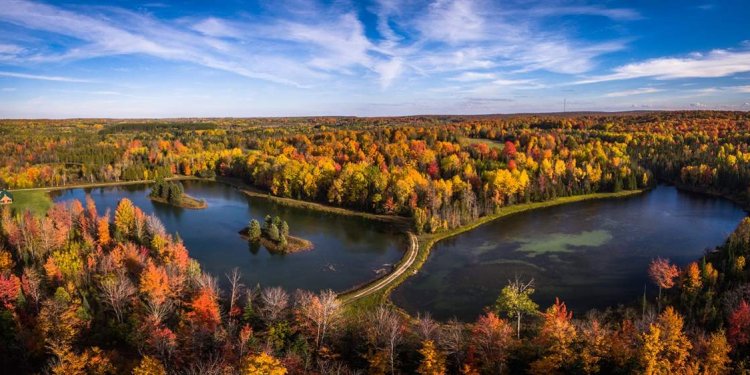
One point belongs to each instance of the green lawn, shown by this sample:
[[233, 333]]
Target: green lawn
[[36, 201], [466, 141]]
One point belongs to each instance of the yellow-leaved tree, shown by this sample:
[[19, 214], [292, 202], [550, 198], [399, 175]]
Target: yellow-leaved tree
[[149, 366], [666, 348], [262, 364], [124, 217], [433, 362]]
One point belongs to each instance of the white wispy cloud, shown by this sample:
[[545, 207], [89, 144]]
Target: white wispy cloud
[[389, 71], [466, 35], [453, 21], [474, 76], [41, 77], [523, 83], [10, 49], [138, 34], [613, 13], [216, 27], [342, 40], [310, 43], [717, 63], [707, 91], [640, 91]]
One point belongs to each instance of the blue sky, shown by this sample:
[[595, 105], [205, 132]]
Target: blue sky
[[383, 57]]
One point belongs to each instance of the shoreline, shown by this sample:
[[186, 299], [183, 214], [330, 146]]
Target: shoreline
[[104, 184], [38, 201], [193, 203], [400, 222], [425, 242], [294, 244], [377, 290], [734, 198]]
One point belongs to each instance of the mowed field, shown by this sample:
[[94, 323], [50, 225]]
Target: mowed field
[[466, 141], [36, 201]]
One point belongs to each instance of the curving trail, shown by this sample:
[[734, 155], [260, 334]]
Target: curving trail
[[407, 261]]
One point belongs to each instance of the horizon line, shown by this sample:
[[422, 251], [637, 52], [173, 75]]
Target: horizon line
[[555, 113]]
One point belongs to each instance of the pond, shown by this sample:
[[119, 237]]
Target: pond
[[591, 254], [348, 250]]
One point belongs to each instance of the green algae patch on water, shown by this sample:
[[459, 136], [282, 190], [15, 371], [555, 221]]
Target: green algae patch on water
[[514, 262], [563, 242]]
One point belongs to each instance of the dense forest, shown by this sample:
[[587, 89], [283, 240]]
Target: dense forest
[[85, 293]]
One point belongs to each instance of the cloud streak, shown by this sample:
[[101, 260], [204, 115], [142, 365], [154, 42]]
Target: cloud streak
[[717, 63], [41, 77], [641, 91]]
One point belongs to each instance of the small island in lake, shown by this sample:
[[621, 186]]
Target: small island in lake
[[274, 236], [172, 192]]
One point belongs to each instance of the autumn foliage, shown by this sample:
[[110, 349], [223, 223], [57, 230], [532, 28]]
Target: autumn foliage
[[86, 292]]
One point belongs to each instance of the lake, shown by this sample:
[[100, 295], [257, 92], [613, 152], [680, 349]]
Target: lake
[[348, 250], [591, 254]]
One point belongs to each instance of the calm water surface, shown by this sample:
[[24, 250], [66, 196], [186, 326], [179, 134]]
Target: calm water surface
[[348, 250], [590, 254]]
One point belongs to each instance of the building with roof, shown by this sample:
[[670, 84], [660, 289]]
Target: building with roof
[[5, 197]]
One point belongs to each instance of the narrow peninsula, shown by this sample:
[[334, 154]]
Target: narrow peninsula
[[173, 193]]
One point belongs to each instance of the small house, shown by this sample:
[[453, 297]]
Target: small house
[[5, 197]]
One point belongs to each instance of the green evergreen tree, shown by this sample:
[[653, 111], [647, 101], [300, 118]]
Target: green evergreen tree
[[254, 231], [284, 229], [273, 233]]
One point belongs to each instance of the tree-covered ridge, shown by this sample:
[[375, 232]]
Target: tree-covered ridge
[[427, 168], [85, 293], [418, 167]]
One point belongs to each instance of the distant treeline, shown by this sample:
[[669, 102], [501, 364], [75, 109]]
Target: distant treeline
[[156, 126]]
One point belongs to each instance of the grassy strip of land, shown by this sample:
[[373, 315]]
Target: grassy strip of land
[[185, 202], [400, 221], [426, 241], [101, 184], [36, 201]]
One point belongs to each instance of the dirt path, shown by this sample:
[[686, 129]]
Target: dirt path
[[408, 260]]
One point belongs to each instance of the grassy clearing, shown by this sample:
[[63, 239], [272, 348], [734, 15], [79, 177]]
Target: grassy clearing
[[36, 201], [101, 184], [466, 141], [426, 241]]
